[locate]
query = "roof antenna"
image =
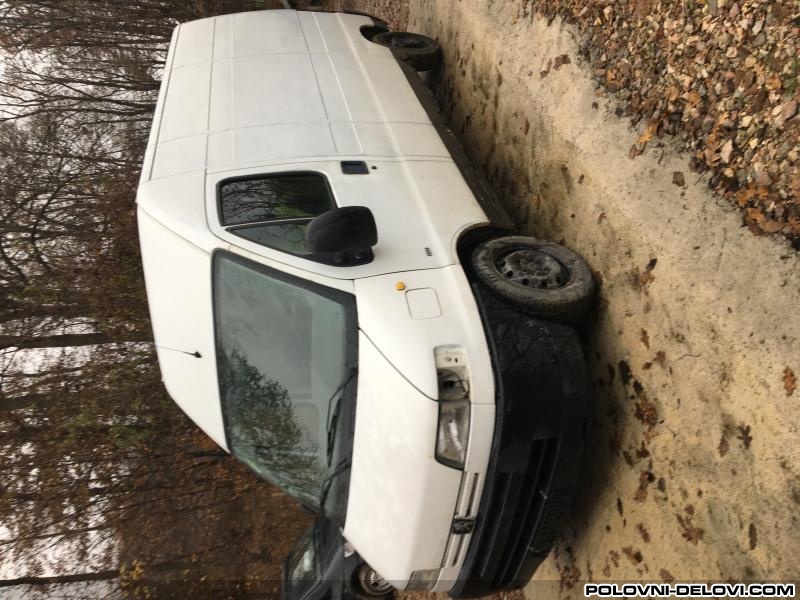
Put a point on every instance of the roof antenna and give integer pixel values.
(196, 354)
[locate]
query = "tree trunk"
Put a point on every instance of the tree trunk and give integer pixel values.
(61, 341)
(57, 579)
(25, 401)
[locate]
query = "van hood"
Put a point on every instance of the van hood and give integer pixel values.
(393, 472)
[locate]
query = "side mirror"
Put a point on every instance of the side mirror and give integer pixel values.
(349, 230)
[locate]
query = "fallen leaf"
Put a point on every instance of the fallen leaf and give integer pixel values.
(643, 532)
(635, 151)
(560, 60)
(725, 153)
(711, 153)
(773, 82)
(794, 185)
(690, 533)
(787, 111)
(789, 381)
(753, 215)
(633, 555)
(724, 446)
(674, 92)
(645, 479)
(645, 338)
(744, 435)
(648, 134)
(770, 226)
(751, 194)
(678, 179)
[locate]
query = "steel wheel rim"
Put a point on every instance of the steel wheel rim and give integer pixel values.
(531, 268)
(374, 583)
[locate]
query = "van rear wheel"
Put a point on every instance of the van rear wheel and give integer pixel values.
(419, 51)
(541, 278)
(371, 585)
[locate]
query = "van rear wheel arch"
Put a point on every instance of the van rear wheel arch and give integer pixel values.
(370, 31)
(419, 51)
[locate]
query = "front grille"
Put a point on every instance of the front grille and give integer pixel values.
(519, 519)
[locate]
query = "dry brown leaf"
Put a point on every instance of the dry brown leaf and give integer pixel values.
(674, 92)
(751, 194)
(635, 556)
(727, 150)
(711, 153)
(789, 381)
(666, 576)
(648, 134)
(693, 97)
(690, 533)
(770, 226)
(794, 185)
(560, 60)
(744, 435)
(773, 82)
(753, 215)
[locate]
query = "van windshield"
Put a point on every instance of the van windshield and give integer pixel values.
(286, 353)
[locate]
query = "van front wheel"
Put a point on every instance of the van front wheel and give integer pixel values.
(419, 51)
(542, 278)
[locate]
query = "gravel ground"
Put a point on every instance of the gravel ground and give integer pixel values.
(722, 76)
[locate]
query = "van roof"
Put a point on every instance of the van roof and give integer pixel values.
(265, 86)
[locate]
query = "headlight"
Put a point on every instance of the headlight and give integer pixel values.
(452, 434)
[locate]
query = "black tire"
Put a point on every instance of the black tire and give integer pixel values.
(371, 586)
(419, 51)
(542, 278)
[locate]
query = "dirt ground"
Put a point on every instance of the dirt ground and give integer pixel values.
(692, 469)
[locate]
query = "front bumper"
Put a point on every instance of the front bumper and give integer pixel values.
(541, 402)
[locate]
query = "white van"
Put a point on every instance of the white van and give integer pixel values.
(337, 300)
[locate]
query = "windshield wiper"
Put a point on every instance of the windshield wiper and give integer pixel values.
(333, 419)
(340, 468)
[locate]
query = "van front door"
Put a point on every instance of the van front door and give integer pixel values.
(419, 209)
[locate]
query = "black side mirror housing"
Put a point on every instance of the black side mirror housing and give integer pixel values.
(347, 234)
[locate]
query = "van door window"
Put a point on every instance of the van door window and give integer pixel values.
(274, 210)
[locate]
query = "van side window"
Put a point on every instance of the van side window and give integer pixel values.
(274, 210)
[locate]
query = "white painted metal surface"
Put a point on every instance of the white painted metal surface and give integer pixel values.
(401, 500)
(408, 343)
(179, 294)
